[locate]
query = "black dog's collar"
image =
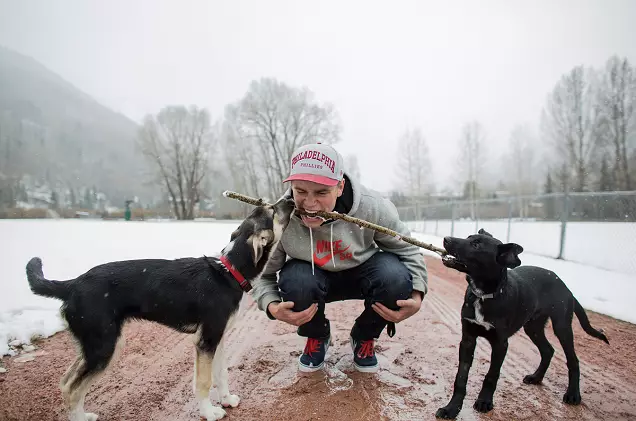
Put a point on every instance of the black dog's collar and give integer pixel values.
(245, 285)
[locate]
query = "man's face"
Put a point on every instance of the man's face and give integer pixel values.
(313, 197)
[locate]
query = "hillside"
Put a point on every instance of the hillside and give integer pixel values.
(57, 134)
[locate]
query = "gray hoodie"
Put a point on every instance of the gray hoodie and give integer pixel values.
(339, 245)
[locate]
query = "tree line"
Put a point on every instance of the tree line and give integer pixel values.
(584, 142)
(250, 147)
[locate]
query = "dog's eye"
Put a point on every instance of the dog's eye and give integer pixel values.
(475, 244)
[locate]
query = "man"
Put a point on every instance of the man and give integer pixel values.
(335, 260)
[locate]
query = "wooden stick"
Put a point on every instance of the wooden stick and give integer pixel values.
(337, 215)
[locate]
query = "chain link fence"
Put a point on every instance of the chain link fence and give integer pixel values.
(594, 228)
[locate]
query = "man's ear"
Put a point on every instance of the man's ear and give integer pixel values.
(340, 187)
(484, 232)
(258, 243)
(508, 255)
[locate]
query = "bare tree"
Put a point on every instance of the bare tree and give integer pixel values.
(617, 98)
(521, 164)
(413, 167)
(571, 121)
(471, 159)
(352, 168)
(177, 142)
(269, 123)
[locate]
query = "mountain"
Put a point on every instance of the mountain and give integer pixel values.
(53, 132)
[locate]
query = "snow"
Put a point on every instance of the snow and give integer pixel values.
(70, 247)
(600, 290)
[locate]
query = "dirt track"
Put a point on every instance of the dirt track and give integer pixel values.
(152, 379)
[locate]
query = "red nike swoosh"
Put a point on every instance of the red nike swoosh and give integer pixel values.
(321, 261)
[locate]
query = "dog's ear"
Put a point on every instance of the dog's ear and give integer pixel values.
(508, 255)
(259, 241)
(484, 232)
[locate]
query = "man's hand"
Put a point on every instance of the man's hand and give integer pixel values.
(407, 308)
(283, 312)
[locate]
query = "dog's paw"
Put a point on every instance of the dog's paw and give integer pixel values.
(572, 397)
(90, 416)
(230, 400)
(483, 405)
(210, 412)
(447, 412)
(532, 379)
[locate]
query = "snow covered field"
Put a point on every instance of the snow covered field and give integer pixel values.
(70, 247)
(605, 245)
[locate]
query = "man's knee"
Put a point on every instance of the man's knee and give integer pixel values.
(297, 283)
(392, 280)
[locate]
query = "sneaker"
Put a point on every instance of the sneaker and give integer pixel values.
(313, 357)
(364, 358)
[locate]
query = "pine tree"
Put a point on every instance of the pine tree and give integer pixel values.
(55, 201)
(548, 187)
(72, 197)
(606, 182)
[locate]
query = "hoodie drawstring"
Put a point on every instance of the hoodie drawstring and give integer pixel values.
(311, 241)
(333, 259)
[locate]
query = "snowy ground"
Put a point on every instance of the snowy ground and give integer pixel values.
(600, 290)
(70, 247)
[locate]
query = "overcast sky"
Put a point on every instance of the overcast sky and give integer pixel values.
(385, 65)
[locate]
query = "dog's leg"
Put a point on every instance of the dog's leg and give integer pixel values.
(219, 368)
(98, 347)
(466, 355)
(68, 377)
(562, 327)
(497, 356)
(535, 329)
(203, 384)
(81, 383)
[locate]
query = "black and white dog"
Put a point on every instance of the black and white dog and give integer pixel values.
(498, 302)
(200, 296)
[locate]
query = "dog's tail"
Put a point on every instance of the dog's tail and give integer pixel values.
(42, 286)
(585, 323)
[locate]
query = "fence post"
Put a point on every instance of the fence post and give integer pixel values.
(452, 233)
(509, 218)
(476, 207)
(436, 223)
(564, 220)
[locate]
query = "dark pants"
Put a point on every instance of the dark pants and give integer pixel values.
(382, 278)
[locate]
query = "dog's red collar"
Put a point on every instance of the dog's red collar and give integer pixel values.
(245, 285)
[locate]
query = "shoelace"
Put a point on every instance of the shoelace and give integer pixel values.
(366, 349)
(313, 345)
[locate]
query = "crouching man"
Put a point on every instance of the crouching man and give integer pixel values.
(332, 260)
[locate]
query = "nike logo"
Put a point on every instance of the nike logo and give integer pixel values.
(321, 261)
(325, 247)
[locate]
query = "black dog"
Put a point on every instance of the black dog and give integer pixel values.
(200, 296)
(498, 302)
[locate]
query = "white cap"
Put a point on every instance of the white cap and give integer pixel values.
(316, 162)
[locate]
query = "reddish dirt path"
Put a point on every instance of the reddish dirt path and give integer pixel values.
(152, 379)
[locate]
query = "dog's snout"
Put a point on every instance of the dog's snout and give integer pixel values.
(285, 206)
